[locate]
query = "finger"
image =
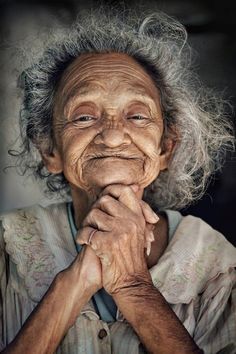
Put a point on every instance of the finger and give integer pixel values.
(84, 235)
(98, 219)
(134, 187)
(125, 195)
(99, 242)
(149, 215)
(149, 232)
(111, 206)
(149, 238)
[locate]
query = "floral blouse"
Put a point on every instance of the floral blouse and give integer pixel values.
(196, 275)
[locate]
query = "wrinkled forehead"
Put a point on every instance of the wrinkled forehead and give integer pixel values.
(107, 71)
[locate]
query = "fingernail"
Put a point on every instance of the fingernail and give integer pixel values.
(148, 250)
(151, 237)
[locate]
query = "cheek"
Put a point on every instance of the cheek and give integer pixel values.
(149, 142)
(73, 143)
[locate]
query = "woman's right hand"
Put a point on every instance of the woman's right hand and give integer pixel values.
(90, 269)
(79, 282)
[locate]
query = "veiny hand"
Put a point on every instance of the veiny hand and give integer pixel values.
(90, 269)
(120, 219)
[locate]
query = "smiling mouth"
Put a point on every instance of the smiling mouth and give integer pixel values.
(114, 157)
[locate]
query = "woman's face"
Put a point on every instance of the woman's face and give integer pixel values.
(107, 124)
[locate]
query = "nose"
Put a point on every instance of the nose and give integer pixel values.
(113, 137)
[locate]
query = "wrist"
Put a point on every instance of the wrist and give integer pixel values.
(71, 283)
(136, 305)
(71, 293)
(134, 292)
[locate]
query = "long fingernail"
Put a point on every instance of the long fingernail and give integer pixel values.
(151, 237)
(148, 250)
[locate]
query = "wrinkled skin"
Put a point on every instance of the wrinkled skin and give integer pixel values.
(108, 130)
(119, 217)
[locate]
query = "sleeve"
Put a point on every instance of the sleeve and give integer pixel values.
(3, 283)
(215, 331)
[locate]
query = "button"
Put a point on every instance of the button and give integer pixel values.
(102, 333)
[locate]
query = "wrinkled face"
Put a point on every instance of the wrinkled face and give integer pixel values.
(107, 123)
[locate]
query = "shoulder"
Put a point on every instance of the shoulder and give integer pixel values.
(32, 222)
(205, 243)
(38, 241)
(32, 213)
(196, 255)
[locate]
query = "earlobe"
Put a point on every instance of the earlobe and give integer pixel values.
(163, 162)
(166, 154)
(52, 161)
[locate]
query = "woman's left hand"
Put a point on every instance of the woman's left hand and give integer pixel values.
(122, 227)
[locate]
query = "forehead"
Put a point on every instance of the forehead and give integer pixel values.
(108, 72)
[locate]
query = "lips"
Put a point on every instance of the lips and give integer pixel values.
(113, 156)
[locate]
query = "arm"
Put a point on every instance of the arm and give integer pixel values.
(51, 319)
(155, 323)
(119, 242)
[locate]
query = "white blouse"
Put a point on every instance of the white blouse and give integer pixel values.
(196, 275)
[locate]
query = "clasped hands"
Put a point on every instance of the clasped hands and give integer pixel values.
(117, 231)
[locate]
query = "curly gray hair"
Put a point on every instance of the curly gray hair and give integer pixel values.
(193, 116)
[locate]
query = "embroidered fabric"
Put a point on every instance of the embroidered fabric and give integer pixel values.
(196, 255)
(34, 260)
(195, 275)
(182, 272)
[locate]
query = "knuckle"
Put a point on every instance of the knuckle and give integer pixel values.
(107, 190)
(126, 237)
(104, 199)
(93, 213)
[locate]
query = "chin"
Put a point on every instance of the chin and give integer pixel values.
(103, 181)
(105, 174)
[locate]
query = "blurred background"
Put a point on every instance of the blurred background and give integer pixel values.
(25, 25)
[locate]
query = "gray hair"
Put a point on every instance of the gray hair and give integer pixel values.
(193, 116)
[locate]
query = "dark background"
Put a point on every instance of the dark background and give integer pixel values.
(211, 26)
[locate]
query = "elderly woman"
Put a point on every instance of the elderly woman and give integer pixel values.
(122, 126)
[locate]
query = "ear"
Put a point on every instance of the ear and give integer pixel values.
(165, 156)
(52, 161)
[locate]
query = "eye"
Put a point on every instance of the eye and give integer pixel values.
(84, 118)
(83, 121)
(138, 119)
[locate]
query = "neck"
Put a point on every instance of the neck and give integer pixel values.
(82, 203)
